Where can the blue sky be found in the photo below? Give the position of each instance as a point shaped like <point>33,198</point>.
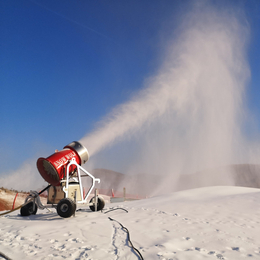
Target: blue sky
<point>66,64</point>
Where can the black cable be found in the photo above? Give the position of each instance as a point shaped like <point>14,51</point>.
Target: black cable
<point>31,196</point>
<point>128,234</point>
<point>46,188</point>
<point>4,256</point>
<point>116,209</point>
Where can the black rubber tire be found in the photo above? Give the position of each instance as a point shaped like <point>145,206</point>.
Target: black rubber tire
<point>100,203</point>
<point>66,208</point>
<point>27,210</point>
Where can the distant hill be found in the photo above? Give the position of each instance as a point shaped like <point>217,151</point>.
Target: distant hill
<point>244,175</point>
<point>145,185</point>
<point>140,185</point>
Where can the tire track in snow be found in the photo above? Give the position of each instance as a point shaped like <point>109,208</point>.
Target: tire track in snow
<point>121,245</point>
<point>114,238</point>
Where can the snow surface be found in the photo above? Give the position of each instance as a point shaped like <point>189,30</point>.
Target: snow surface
<point>206,223</point>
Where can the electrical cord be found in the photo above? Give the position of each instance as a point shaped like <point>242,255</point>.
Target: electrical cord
<point>7,212</point>
<point>4,256</point>
<point>128,234</point>
<point>124,228</point>
<point>116,209</point>
<point>31,199</point>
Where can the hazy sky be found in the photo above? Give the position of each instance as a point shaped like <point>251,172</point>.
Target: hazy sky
<point>65,64</point>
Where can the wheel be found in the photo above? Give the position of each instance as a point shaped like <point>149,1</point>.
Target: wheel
<point>66,208</point>
<point>100,203</point>
<point>27,209</point>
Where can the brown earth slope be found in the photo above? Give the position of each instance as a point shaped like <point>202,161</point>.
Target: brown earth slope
<point>4,205</point>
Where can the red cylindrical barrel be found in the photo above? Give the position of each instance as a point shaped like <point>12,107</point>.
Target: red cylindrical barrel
<point>52,168</point>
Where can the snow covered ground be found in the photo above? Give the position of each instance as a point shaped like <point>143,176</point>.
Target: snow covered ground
<point>206,223</point>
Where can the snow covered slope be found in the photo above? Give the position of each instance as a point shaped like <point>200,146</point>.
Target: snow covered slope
<point>205,223</point>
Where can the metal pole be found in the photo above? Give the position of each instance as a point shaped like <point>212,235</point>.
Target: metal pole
<point>75,200</point>
<point>124,193</point>
<point>96,200</point>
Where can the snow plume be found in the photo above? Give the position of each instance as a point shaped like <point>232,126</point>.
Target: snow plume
<point>26,178</point>
<point>189,116</point>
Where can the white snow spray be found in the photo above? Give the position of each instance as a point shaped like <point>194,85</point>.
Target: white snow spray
<point>189,116</point>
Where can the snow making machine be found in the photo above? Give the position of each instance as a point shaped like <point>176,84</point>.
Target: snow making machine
<point>64,173</point>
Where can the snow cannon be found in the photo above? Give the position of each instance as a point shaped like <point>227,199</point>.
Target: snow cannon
<point>64,173</point>
<point>52,168</point>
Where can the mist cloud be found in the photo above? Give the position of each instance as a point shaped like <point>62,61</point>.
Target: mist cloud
<point>189,116</point>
